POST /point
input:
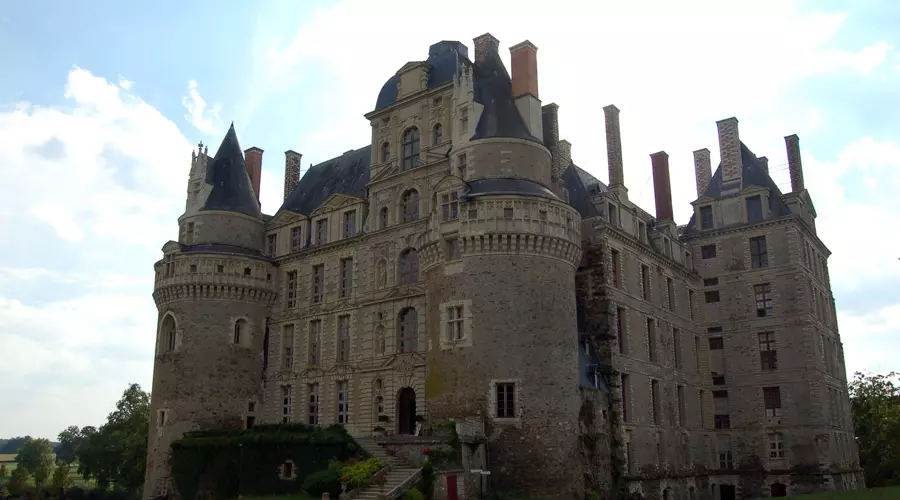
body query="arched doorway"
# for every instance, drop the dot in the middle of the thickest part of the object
(406, 411)
(778, 490)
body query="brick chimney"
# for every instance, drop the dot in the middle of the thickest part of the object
(795, 166)
(550, 127)
(702, 170)
(662, 187)
(253, 161)
(291, 171)
(614, 146)
(484, 44)
(525, 86)
(765, 163)
(730, 151)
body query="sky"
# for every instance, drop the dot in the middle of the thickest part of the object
(102, 102)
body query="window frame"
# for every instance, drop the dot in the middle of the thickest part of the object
(411, 148)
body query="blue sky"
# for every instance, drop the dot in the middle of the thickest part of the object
(102, 102)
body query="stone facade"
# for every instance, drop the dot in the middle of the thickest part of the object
(470, 271)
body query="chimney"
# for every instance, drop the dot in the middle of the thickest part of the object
(291, 171)
(662, 187)
(765, 163)
(550, 127)
(702, 170)
(564, 149)
(614, 146)
(730, 151)
(253, 161)
(523, 58)
(795, 166)
(484, 44)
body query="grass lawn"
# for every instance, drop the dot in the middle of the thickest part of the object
(77, 480)
(891, 493)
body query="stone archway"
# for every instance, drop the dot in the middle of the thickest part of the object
(406, 411)
(778, 490)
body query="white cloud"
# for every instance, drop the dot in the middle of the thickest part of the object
(125, 84)
(205, 120)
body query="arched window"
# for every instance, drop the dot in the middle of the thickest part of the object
(409, 204)
(167, 334)
(408, 267)
(383, 218)
(438, 136)
(409, 330)
(379, 406)
(241, 332)
(380, 344)
(410, 148)
(385, 152)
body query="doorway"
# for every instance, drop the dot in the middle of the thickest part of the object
(728, 492)
(406, 411)
(778, 490)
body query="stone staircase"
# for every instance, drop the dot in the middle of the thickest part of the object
(399, 476)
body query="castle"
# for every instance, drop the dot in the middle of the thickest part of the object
(461, 266)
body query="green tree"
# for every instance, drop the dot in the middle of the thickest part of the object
(116, 453)
(3, 471)
(36, 457)
(61, 479)
(875, 401)
(43, 472)
(69, 441)
(17, 481)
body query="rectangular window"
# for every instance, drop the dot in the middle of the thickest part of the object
(508, 213)
(296, 238)
(676, 347)
(315, 334)
(453, 252)
(286, 396)
(776, 445)
(614, 269)
(708, 251)
(718, 380)
(613, 216)
(706, 217)
(723, 421)
(287, 347)
(772, 398)
(642, 232)
(450, 206)
(272, 245)
(455, 323)
(701, 394)
(716, 343)
(682, 411)
(626, 397)
(710, 281)
(620, 330)
(350, 224)
(759, 256)
(251, 421)
(670, 293)
(654, 401)
(714, 329)
(312, 417)
(506, 400)
(711, 297)
(291, 294)
(763, 294)
(651, 340)
(628, 452)
(343, 339)
(767, 353)
(322, 231)
(161, 416)
(346, 277)
(645, 282)
(462, 166)
(343, 402)
(464, 123)
(691, 303)
(754, 209)
(318, 283)
(688, 263)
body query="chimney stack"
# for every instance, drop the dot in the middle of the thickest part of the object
(795, 166)
(702, 170)
(662, 187)
(550, 133)
(765, 163)
(614, 146)
(253, 161)
(291, 171)
(730, 151)
(484, 44)
(523, 59)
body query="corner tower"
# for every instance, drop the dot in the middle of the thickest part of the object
(502, 333)
(213, 289)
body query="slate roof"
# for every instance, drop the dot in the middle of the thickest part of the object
(347, 174)
(443, 63)
(493, 90)
(579, 185)
(231, 188)
(754, 174)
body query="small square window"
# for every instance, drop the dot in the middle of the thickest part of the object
(716, 343)
(247, 271)
(711, 296)
(193, 268)
(708, 251)
(710, 281)
(506, 400)
(220, 268)
(508, 213)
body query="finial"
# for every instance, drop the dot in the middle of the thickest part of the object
(205, 150)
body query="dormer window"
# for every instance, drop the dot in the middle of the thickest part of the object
(706, 217)
(613, 217)
(411, 148)
(385, 152)
(322, 231)
(754, 209)
(437, 135)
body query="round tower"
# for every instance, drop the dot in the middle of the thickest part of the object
(502, 333)
(213, 290)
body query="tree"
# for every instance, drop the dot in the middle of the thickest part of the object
(17, 481)
(69, 440)
(61, 479)
(3, 471)
(13, 445)
(36, 458)
(875, 401)
(43, 472)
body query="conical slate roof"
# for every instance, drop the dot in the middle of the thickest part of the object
(227, 174)
(493, 90)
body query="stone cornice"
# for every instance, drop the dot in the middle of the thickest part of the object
(166, 294)
(542, 245)
(741, 228)
(644, 249)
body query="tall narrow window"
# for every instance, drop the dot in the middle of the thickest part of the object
(343, 402)
(464, 123)
(654, 401)
(462, 166)
(614, 267)
(691, 304)
(613, 215)
(350, 224)
(767, 353)
(346, 277)
(322, 231)
(759, 256)
(676, 347)
(411, 148)
(651, 341)
(708, 251)
(291, 296)
(453, 252)
(682, 411)
(506, 400)
(287, 347)
(286, 397)
(296, 238)
(450, 206)
(315, 345)
(343, 339)
(706, 217)
(455, 320)
(701, 394)
(697, 353)
(272, 245)
(645, 282)
(620, 330)
(385, 152)
(438, 136)
(626, 398)
(167, 333)
(383, 216)
(772, 398)
(313, 406)
(408, 266)
(409, 330)
(410, 205)
(754, 209)
(763, 295)
(318, 283)
(670, 294)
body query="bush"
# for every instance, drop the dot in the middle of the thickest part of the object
(413, 494)
(17, 481)
(75, 493)
(360, 473)
(324, 481)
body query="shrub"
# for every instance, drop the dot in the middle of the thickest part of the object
(324, 481)
(2, 470)
(75, 493)
(413, 494)
(17, 481)
(360, 473)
